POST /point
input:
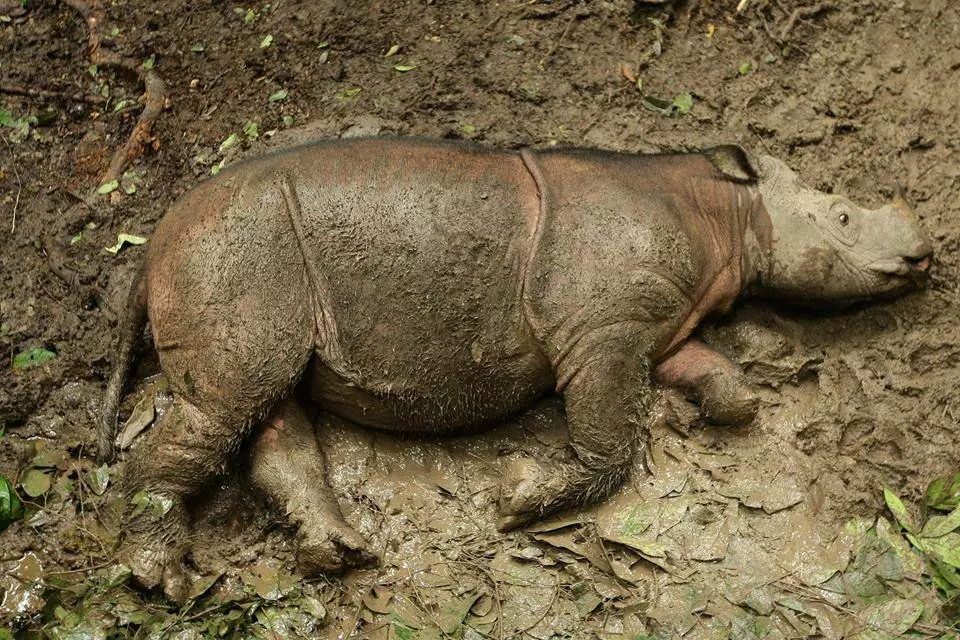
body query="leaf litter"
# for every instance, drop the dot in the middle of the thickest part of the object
(680, 553)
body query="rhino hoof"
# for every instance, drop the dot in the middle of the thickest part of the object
(521, 493)
(153, 567)
(729, 402)
(334, 550)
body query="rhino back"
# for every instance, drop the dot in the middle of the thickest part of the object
(418, 249)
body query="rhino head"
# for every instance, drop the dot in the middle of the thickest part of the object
(827, 251)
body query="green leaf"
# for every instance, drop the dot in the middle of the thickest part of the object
(98, 479)
(944, 493)
(894, 617)
(140, 501)
(938, 526)
(108, 187)
(125, 239)
(278, 95)
(683, 103)
(656, 104)
(36, 482)
(403, 68)
(453, 613)
(745, 68)
(123, 104)
(346, 94)
(945, 548)
(251, 130)
(32, 358)
(197, 48)
(266, 42)
(899, 511)
(912, 561)
(149, 62)
(114, 576)
(11, 509)
(231, 141)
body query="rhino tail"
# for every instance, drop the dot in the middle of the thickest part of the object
(131, 329)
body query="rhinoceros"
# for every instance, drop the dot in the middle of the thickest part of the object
(432, 287)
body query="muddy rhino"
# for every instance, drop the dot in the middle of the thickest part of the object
(430, 287)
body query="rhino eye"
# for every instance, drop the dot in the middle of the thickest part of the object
(844, 219)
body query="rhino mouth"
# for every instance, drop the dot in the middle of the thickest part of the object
(915, 269)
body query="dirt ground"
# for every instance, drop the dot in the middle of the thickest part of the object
(766, 530)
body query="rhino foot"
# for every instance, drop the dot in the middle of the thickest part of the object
(521, 493)
(728, 400)
(154, 564)
(336, 548)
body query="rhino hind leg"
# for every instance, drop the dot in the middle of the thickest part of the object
(606, 406)
(287, 463)
(712, 380)
(182, 454)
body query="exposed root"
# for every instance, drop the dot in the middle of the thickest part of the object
(800, 13)
(154, 95)
(45, 94)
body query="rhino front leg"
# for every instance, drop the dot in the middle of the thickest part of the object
(716, 383)
(606, 405)
(288, 464)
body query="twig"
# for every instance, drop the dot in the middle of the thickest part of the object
(83, 570)
(45, 94)
(803, 12)
(154, 95)
(16, 173)
(555, 45)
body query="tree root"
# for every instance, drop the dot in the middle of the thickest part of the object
(802, 12)
(154, 96)
(44, 94)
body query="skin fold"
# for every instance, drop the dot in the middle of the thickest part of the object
(433, 287)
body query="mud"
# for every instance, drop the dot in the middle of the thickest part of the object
(732, 524)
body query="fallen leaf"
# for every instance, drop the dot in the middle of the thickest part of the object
(98, 479)
(231, 141)
(140, 418)
(36, 482)
(899, 511)
(11, 509)
(124, 239)
(32, 358)
(377, 599)
(938, 526)
(392, 51)
(108, 187)
(894, 617)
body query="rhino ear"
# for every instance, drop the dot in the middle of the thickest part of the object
(732, 161)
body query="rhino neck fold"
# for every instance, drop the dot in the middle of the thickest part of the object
(757, 242)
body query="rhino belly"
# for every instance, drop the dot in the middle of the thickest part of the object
(432, 397)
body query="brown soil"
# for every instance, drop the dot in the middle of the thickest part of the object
(855, 97)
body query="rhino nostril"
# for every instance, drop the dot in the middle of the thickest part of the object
(918, 264)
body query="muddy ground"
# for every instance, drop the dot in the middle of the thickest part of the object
(767, 530)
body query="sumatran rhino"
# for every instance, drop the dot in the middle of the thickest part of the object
(430, 287)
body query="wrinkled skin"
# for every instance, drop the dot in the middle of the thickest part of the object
(430, 287)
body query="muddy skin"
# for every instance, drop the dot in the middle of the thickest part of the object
(429, 288)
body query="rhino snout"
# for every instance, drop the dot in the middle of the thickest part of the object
(915, 265)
